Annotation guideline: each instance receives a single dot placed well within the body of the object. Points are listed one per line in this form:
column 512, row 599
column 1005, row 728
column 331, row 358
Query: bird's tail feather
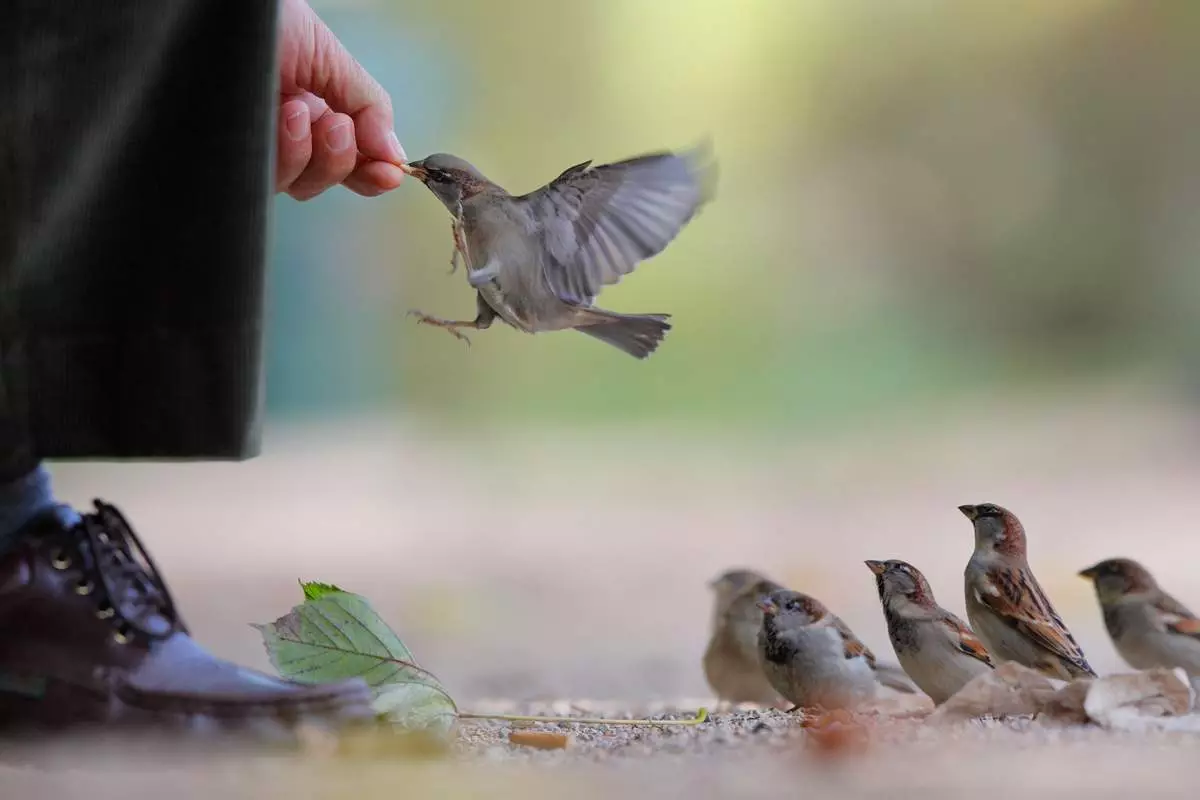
column 636, row 334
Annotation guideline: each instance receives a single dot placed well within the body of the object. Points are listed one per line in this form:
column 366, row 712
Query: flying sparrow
column 814, row 660
column 539, row 260
column 731, row 662
column 937, row 650
column 1148, row 627
column 1006, row 606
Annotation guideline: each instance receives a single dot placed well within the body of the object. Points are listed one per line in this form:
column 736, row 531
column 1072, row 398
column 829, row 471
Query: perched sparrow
column 935, row 648
column 813, row 659
column 731, row 662
column 538, row 261
column 1006, row 606
column 1148, row 627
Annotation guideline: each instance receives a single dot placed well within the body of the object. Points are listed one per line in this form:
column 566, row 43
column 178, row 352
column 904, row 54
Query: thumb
column 337, row 78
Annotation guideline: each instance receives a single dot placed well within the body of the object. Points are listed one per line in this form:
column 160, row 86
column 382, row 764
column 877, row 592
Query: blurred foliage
column 916, row 200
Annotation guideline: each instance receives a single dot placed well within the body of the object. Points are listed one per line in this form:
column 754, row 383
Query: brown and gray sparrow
column 1006, row 606
column 814, row 660
column 1149, row 627
column 539, row 260
column 731, row 662
column 937, row 650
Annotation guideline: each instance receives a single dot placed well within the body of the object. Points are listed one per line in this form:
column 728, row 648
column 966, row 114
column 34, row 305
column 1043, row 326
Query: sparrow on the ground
column 814, row 660
column 539, row 260
column 1006, row 606
column 937, row 650
column 731, row 662
column 1149, row 627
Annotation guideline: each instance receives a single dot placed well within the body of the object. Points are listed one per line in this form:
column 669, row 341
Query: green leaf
column 334, row 635
column 417, row 707
column 315, row 590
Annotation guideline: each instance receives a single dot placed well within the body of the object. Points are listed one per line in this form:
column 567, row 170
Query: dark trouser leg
column 135, row 164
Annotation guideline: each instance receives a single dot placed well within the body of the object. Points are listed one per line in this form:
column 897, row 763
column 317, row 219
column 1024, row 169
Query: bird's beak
column 875, row 566
column 1088, row 574
column 415, row 169
column 767, row 606
column 970, row 512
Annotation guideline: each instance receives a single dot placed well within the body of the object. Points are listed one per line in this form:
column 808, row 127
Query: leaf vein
column 354, row 618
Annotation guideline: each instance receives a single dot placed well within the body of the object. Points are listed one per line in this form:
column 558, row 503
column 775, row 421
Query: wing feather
column 599, row 223
column 965, row 640
column 1176, row 617
column 1018, row 599
column 853, row 645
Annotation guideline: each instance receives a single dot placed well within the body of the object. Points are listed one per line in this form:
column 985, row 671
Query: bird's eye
column 440, row 176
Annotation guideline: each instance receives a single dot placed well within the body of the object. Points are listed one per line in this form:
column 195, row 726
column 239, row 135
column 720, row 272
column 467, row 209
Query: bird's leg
column 460, row 243
column 479, row 278
column 483, row 320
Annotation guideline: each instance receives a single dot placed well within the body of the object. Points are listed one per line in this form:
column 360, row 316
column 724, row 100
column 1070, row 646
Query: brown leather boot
column 89, row 636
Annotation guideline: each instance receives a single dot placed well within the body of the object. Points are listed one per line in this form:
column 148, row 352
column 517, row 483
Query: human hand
column 335, row 122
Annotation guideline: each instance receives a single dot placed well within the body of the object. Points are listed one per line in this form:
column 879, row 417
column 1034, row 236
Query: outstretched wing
column 598, row 223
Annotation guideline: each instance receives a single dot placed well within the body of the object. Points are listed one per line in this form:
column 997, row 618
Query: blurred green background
column 918, row 202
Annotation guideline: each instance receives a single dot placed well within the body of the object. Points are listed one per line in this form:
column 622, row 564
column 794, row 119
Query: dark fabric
column 136, row 142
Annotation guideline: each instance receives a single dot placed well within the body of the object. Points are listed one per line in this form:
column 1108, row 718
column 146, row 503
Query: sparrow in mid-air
column 1149, row 627
column 731, row 662
column 539, row 260
column 814, row 660
column 937, row 650
column 1006, row 606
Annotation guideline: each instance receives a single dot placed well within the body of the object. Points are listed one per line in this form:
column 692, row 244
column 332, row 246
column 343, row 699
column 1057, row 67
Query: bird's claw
column 449, row 326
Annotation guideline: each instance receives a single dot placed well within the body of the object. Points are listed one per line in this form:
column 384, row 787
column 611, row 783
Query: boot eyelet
column 59, row 560
column 105, row 612
column 84, row 587
column 120, row 637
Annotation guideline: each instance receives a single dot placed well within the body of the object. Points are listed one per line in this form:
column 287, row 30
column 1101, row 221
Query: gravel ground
column 740, row 754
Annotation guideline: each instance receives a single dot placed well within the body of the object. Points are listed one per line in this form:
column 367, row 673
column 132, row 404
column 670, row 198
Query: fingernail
column 297, row 124
column 340, row 137
column 397, row 150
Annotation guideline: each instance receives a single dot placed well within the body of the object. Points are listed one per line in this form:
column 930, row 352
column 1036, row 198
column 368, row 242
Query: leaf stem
column 701, row 716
